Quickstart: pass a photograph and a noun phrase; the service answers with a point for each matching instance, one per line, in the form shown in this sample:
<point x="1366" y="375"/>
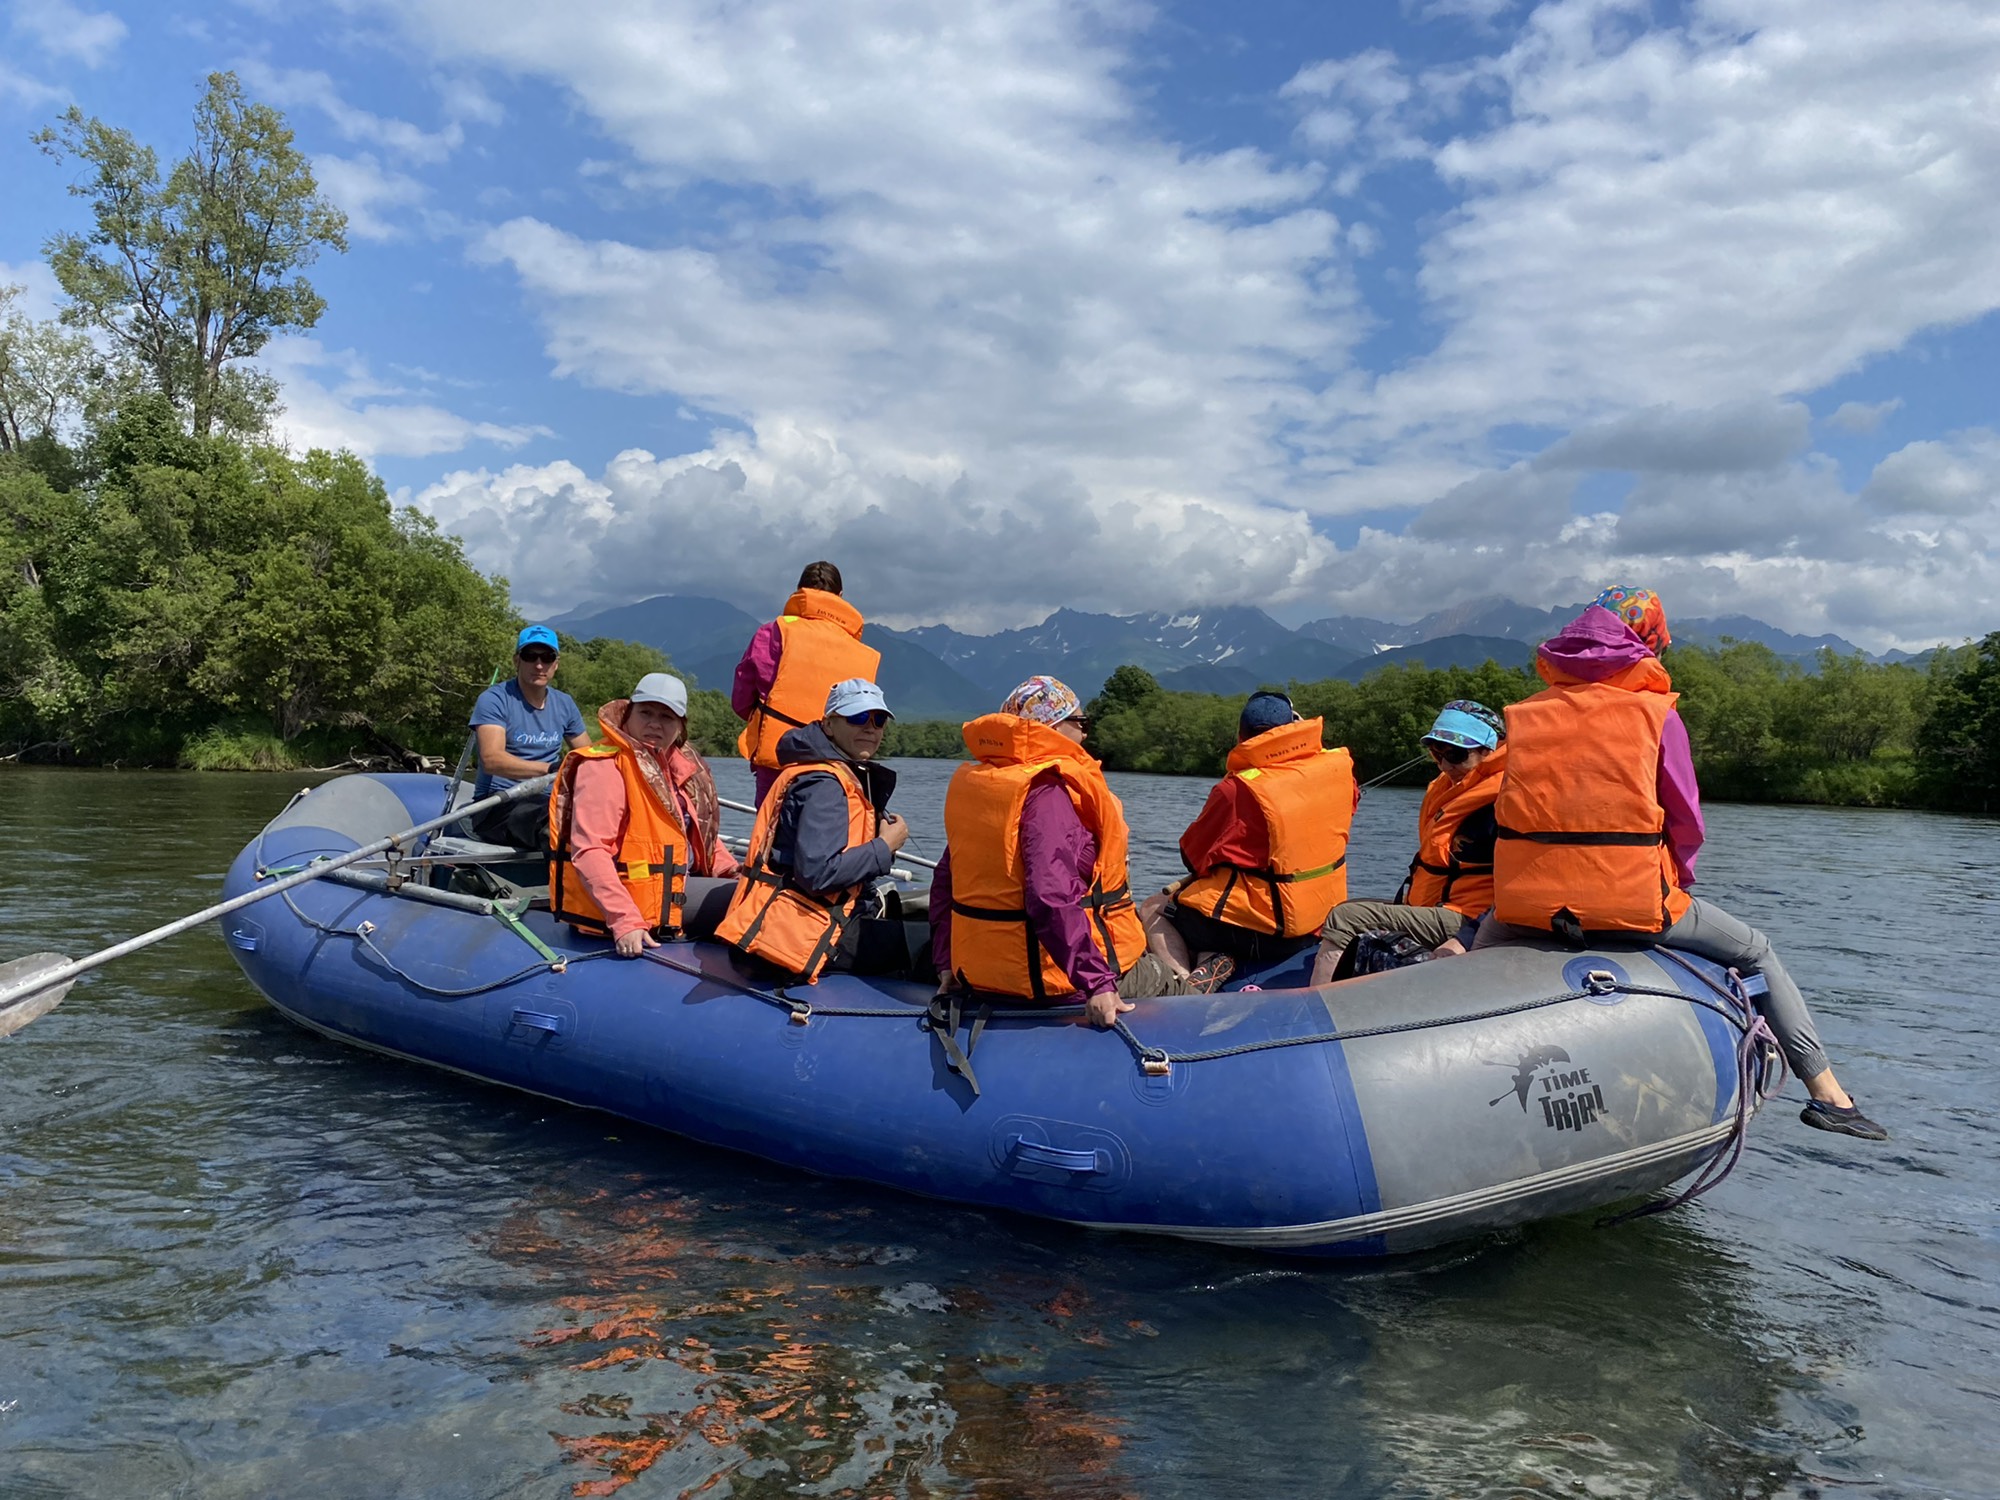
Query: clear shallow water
<point x="237" y="1260"/>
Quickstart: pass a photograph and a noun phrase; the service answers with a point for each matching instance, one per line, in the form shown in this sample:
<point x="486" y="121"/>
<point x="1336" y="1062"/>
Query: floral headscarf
<point x="1045" y="700"/>
<point x="1642" y="611"/>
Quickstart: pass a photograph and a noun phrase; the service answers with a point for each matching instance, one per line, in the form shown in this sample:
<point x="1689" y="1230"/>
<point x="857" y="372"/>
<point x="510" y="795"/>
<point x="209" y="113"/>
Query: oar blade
<point x="19" y="975"/>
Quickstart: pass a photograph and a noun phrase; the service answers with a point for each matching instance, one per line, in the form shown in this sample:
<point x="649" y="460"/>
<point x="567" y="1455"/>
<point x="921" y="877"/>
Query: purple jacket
<point x="1059" y="854"/>
<point x="1596" y="645"/>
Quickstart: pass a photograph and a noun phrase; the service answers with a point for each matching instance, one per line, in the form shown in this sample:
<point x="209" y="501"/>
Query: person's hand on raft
<point x="632" y="944"/>
<point x="1451" y="947"/>
<point x="895" y="832"/>
<point x="1104" y="1008"/>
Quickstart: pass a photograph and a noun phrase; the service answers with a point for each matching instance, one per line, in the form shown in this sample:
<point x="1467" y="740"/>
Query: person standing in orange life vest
<point x="1599" y="820"/>
<point x="1268" y="854"/>
<point x="822" y="835"/>
<point x="791" y="662"/>
<point x="634" y="840"/>
<point x="1031" y="897"/>
<point x="1450" y="884"/>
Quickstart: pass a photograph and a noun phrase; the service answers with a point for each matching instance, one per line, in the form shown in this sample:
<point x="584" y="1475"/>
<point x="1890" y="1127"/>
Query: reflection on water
<point x="238" y="1261"/>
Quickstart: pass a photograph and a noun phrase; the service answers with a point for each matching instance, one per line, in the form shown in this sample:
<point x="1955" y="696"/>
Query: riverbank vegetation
<point x="1850" y="732"/>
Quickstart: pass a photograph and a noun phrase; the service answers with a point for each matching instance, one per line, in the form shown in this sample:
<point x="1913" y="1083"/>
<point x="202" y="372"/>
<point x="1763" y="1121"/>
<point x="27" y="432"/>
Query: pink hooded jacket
<point x="1594" y="646"/>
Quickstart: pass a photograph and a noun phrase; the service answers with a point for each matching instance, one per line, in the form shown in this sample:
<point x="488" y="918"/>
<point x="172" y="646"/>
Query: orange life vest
<point x="821" y="645"/>
<point x="653" y="850"/>
<point x="770" y="917"/>
<point x="993" y="946"/>
<point x="1438" y="877"/>
<point x="1306" y="794"/>
<point x="1581" y="842"/>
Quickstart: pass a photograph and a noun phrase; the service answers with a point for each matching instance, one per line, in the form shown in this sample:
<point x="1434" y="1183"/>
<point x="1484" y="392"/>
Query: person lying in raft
<point x="1450" y="884"/>
<point x="635" y="847"/>
<point x="1031" y="898"/>
<point x="1599" y="820"/>
<point x="789" y="665"/>
<point x="1267" y="855"/>
<point x="822" y="835"/>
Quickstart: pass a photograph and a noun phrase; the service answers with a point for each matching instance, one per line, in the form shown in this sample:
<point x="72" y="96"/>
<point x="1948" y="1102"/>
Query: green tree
<point x="1127" y="687"/>
<point x="191" y="272"/>
<point x="196" y="580"/>
<point x="43" y="375"/>
<point x="1958" y="747"/>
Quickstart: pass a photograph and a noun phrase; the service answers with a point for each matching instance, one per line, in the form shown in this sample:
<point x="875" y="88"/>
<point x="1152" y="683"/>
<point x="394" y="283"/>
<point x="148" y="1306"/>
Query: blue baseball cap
<point x="1265" y="711"/>
<point x="1468" y="725"/>
<point x="536" y="635"/>
<point x="857" y="695"/>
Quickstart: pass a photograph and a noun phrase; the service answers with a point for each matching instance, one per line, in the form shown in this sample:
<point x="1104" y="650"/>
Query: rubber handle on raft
<point x="537" y="1020"/>
<point x="1034" y="1153"/>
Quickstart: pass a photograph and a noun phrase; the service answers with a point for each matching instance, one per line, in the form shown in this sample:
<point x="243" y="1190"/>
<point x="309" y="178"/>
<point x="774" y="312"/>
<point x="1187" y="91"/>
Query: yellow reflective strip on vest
<point x="1251" y="773"/>
<point x="639" y="872"/>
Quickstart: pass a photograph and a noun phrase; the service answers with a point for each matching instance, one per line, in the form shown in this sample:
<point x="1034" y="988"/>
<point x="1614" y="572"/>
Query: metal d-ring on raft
<point x="1357" y="1119"/>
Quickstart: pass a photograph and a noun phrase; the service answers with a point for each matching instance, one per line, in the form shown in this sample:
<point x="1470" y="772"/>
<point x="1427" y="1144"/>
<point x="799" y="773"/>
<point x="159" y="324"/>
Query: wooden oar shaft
<point x="744" y="807"/>
<point x="69" y="971"/>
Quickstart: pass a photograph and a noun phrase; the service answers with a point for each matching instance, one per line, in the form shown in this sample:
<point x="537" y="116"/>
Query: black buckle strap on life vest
<point x="1097" y="903"/>
<point x="1568" y="930"/>
<point x="941" y="1020"/>
<point x="1620" y="840"/>
<point x="1036" y="986"/>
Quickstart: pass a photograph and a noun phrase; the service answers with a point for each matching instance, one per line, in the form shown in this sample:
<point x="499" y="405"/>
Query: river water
<point x="237" y="1260"/>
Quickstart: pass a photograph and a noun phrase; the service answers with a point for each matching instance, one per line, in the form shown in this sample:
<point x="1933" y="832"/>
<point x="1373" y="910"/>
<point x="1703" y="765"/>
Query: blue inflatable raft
<point x="1383" y="1114"/>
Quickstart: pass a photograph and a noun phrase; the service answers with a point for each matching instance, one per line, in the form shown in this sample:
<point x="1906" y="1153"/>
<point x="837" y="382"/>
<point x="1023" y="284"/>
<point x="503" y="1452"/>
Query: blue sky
<point x="1330" y="309"/>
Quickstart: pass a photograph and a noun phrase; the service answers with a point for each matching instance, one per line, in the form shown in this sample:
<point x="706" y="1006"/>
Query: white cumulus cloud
<point x="332" y="400"/>
<point x="958" y="304"/>
<point x="63" y="29"/>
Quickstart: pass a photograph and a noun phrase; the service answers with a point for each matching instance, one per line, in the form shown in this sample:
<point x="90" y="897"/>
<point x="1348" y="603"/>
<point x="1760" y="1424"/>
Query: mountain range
<point x="936" y="672"/>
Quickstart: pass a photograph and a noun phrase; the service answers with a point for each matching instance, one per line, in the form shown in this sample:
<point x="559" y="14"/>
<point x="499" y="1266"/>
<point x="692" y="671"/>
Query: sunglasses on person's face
<point x="1081" y="721"/>
<point x="875" y="718"/>
<point x="1451" y="755"/>
<point x="538" y="657"/>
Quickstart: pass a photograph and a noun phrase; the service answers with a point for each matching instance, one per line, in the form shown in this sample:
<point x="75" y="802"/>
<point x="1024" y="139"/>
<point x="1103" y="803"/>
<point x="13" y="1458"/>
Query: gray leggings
<point x="1707" y="930"/>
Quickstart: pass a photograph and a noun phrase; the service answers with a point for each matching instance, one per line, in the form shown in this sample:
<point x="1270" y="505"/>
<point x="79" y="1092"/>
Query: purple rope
<point x="1754" y="1080"/>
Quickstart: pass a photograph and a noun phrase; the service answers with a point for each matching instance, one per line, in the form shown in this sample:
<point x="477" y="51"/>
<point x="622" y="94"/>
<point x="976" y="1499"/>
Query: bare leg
<point x="1163" y="939"/>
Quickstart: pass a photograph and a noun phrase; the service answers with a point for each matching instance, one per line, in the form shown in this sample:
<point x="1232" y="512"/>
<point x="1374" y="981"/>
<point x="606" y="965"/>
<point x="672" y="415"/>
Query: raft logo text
<point x="1568" y="1098"/>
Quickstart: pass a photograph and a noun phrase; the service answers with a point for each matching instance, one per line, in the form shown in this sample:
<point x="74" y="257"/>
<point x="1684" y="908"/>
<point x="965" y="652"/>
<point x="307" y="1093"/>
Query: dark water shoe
<point x="1849" y="1121"/>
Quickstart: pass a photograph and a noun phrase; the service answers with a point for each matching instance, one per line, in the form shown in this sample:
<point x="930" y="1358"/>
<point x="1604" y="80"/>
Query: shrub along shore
<point x="1852" y="733"/>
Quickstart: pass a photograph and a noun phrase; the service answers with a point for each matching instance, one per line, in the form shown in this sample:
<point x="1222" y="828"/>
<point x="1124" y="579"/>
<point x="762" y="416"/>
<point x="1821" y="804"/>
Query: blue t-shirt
<point x="532" y="733"/>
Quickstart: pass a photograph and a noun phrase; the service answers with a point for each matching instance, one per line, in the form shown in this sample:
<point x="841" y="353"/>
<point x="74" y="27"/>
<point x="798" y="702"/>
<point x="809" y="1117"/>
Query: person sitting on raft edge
<point x="1267" y="857"/>
<point x="521" y="727"/>
<point x="1031" y="897"/>
<point x="791" y="662"/>
<point x="635" y="842"/>
<point x="1450" y="884"/>
<point x="822" y="835"/>
<point x="1598" y="823"/>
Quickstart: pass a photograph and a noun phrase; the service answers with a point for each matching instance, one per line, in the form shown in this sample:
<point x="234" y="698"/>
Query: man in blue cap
<point x="522" y="727"/>
<point x="1267" y="856"/>
<point x="823" y="835"/>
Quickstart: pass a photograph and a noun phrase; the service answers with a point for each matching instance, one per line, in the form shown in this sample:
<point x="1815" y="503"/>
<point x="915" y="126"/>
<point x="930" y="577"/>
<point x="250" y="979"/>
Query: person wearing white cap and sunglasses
<point x="635" y="846"/>
<point x="823" y="834"/>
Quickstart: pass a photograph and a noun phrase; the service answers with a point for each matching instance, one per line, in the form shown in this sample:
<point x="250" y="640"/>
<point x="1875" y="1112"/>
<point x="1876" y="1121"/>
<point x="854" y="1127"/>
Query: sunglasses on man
<point x="1451" y="755"/>
<point x="537" y="656"/>
<point x="874" y="717"/>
